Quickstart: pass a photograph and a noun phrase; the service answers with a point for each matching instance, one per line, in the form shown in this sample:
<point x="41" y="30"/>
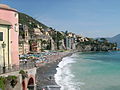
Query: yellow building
<point x="5" y="56"/>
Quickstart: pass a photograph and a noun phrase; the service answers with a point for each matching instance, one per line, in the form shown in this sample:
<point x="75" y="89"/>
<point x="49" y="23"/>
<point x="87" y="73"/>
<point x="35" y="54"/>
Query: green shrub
<point x="4" y="80"/>
<point x="2" y="83"/>
<point x="24" y="74"/>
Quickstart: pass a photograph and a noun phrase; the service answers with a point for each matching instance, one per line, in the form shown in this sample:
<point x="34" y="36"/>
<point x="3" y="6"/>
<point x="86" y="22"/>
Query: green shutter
<point x="1" y="36"/>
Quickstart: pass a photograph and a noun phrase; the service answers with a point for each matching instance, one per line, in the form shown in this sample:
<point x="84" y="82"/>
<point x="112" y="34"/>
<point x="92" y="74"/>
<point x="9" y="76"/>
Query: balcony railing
<point x="30" y="64"/>
<point x="22" y="66"/>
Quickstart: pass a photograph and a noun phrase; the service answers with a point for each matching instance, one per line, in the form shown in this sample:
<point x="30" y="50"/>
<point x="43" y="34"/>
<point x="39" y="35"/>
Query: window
<point x="1" y="36"/>
<point x="15" y="27"/>
<point x="26" y="33"/>
<point x="16" y="15"/>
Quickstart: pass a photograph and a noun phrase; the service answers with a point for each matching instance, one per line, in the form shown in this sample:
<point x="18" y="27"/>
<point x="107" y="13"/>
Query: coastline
<point x="45" y="73"/>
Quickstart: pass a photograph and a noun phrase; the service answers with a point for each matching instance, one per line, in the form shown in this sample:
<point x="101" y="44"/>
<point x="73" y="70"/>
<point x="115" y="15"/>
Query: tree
<point x="66" y="32"/>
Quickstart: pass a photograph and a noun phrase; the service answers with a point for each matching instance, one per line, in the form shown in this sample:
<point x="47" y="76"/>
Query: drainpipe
<point x="8" y="48"/>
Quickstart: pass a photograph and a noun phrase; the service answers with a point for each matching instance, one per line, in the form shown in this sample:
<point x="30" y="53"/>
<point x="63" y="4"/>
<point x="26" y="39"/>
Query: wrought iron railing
<point x="22" y="66"/>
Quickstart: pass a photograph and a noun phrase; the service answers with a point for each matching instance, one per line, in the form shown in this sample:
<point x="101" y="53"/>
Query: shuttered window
<point x="1" y="36"/>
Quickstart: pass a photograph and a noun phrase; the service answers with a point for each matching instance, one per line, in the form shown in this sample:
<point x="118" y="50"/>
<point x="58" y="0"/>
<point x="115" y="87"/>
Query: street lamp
<point x="3" y="46"/>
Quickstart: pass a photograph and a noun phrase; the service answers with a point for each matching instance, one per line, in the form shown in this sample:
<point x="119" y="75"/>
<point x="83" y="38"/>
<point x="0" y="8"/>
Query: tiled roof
<point x="3" y="6"/>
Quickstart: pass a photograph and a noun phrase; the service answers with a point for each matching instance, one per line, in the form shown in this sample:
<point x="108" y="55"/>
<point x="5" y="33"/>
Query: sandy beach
<point x="45" y="73"/>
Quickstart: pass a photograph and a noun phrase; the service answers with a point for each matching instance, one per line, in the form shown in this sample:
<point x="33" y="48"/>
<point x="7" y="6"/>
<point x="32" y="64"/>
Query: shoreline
<point x="45" y="73"/>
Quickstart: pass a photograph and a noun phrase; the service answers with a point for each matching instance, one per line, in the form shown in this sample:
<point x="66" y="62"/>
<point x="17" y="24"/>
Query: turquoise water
<point x="90" y="71"/>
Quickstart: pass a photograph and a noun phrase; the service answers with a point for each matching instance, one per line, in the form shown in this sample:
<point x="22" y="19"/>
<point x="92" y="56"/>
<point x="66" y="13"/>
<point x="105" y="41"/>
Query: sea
<point x="89" y="71"/>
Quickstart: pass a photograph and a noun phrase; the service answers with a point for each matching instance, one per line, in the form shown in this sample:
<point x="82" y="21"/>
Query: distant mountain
<point x="115" y="39"/>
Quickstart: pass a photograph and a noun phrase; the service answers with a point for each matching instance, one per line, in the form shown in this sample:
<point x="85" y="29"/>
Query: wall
<point x="9" y="16"/>
<point x="31" y="74"/>
<point x="5" y="31"/>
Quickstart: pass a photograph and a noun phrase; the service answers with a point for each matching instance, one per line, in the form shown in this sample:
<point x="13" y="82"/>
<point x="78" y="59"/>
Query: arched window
<point x="30" y="84"/>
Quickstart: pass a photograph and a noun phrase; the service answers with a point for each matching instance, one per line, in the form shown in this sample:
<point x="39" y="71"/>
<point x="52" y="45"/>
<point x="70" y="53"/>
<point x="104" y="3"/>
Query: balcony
<point x="22" y="66"/>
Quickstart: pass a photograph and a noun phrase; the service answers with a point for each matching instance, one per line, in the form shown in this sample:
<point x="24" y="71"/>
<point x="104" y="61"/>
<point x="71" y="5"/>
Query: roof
<point x="3" y="22"/>
<point x="3" y="6"/>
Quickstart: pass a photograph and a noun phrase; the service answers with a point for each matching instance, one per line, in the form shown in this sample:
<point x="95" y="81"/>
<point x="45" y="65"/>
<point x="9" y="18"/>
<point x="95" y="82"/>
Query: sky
<point x="90" y="18"/>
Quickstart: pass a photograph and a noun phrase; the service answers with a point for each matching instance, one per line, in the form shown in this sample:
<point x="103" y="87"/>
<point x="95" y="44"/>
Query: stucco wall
<point x="5" y="31"/>
<point x="10" y="17"/>
<point x="31" y="74"/>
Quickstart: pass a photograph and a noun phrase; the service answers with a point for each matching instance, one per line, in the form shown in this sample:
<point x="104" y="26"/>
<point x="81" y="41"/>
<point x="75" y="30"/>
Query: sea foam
<point x="64" y="77"/>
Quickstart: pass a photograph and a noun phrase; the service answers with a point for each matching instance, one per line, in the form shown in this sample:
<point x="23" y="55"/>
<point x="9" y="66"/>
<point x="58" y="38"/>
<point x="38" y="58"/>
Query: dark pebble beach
<point x="45" y="73"/>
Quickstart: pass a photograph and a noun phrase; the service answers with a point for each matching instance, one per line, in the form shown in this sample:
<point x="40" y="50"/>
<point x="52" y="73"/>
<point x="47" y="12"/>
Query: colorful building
<point x="9" y="51"/>
<point x="5" y="59"/>
<point x="70" y="41"/>
<point x="24" y="46"/>
<point x="10" y="15"/>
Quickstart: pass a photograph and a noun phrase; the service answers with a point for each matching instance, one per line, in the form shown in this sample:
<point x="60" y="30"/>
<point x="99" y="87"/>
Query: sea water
<point x="89" y="71"/>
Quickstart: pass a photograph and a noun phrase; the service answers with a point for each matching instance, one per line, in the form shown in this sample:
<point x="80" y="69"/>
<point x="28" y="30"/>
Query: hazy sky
<point x="91" y="18"/>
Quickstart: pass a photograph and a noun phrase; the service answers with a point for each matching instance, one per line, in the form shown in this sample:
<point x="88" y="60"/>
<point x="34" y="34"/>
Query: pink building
<point x="11" y="15"/>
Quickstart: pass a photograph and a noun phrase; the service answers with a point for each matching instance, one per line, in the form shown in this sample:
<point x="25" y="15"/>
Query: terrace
<point x="22" y="66"/>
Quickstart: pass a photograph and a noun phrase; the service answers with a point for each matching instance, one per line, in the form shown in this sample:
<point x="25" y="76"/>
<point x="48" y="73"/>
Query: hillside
<point x="29" y="21"/>
<point x="115" y="39"/>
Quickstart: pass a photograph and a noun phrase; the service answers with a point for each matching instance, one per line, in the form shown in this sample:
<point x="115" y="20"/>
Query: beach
<point x="45" y="73"/>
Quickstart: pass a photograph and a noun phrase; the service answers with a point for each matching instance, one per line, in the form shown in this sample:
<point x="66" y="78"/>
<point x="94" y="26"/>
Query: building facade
<point x="11" y="15"/>
<point x="24" y="46"/>
<point x="5" y="55"/>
